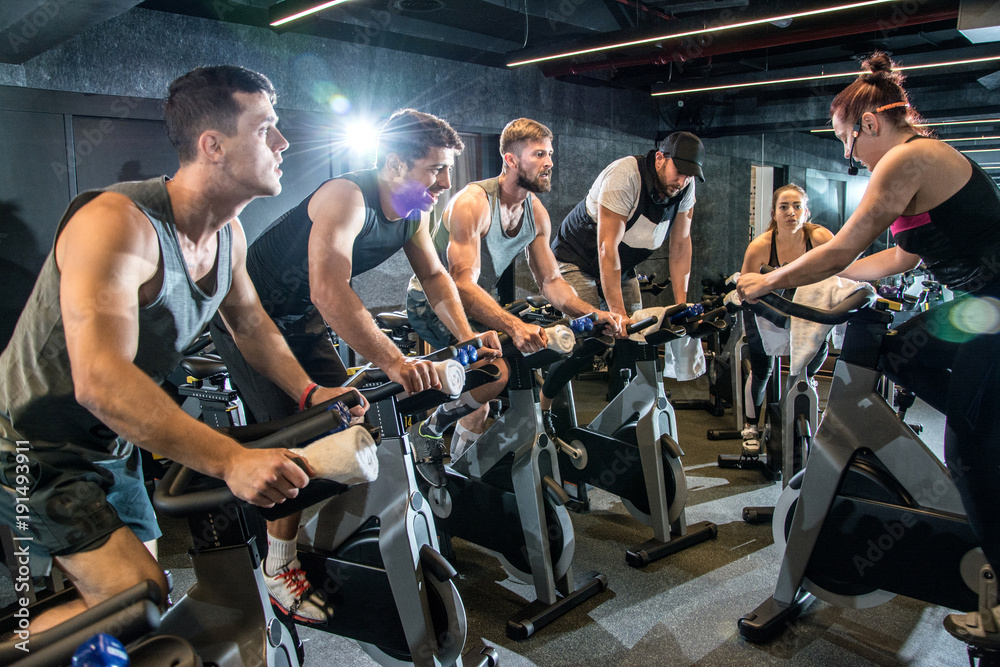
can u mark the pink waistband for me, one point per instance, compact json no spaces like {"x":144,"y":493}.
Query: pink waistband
{"x":907,"y":222}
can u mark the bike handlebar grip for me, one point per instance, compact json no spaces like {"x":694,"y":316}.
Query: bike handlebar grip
{"x":451,"y":375}
{"x":475,"y":342}
{"x":467,"y":355}
{"x":561,"y":338}
{"x":689,"y":311}
{"x":582,"y":324}
{"x":641,"y":324}
{"x":517,"y":306}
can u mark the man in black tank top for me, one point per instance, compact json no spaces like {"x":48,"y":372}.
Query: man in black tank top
{"x":135,"y":273}
{"x":491,"y":222}
{"x":302,"y":266}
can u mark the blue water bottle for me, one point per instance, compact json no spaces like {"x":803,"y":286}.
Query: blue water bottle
{"x":101,"y":651}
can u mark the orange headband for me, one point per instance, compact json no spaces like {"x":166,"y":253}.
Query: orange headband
{"x":885,"y":107}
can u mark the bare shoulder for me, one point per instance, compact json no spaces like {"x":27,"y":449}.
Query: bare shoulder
{"x":538,"y":208}
{"x":116,"y":222}
{"x":469,"y":211}
{"x":818,"y":233}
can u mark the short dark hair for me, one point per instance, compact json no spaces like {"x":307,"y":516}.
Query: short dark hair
{"x":203,"y":99}
{"x":412,"y":134}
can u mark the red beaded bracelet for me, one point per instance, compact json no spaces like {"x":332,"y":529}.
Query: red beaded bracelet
{"x":307,"y":395}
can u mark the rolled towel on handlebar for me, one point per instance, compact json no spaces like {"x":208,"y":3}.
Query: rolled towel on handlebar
{"x":561,"y":338}
{"x":452,"y":376}
{"x":348,"y":457}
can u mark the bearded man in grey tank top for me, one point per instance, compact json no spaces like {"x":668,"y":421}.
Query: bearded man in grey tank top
{"x":484,"y":228}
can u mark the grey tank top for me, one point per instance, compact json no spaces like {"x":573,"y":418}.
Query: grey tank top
{"x":36,"y":383}
{"x":497,"y":250}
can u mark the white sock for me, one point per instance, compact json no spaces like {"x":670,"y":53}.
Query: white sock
{"x":279,"y":554}
{"x":449,"y":413}
{"x":748,"y":407}
{"x":461,"y":440}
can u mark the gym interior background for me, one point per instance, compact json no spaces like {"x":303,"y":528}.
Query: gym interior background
{"x":81,"y":84}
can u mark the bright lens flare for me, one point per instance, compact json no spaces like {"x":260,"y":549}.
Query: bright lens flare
{"x":340,"y":105}
{"x":361,"y":137}
{"x":977,"y":316}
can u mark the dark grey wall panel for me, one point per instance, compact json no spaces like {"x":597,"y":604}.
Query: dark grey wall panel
{"x":34,"y":192}
{"x":110,"y":150}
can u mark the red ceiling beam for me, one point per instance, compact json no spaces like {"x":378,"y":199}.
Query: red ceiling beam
{"x":724,"y":43}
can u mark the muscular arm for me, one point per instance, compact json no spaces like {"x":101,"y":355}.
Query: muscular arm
{"x":545,"y":270}
{"x":337,"y":210}
{"x":610,"y":232}
{"x":106,"y":254}
{"x":436,"y":283}
{"x":680,"y":255}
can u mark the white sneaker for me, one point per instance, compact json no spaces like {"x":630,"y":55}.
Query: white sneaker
{"x":292,"y":594}
{"x":751,"y":441}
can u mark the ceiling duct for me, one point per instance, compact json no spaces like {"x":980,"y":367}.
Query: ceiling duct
{"x":31,"y":27}
{"x":979,"y":21}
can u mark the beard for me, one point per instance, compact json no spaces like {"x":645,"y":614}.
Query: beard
{"x":536,"y":185}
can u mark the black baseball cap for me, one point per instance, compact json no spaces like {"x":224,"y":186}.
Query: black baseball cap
{"x":687,"y":152}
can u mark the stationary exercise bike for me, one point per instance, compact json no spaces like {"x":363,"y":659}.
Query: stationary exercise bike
{"x":875,"y":513}
{"x":630,"y":449}
{"x":790,"y":420}
{"x":374,"y":548}
{"x":504,"y":493}
{"x":226,"y":618}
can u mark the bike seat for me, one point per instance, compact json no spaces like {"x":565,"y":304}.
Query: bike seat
{"x":203,"y":367}
{"x":394,"y":320}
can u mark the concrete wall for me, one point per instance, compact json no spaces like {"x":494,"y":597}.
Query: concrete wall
{"x":139,"y":52}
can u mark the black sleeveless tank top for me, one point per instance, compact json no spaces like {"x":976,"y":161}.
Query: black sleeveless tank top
{"x":959,"y":239}
{"x":774,"y":261}
{"x":278,"y":260}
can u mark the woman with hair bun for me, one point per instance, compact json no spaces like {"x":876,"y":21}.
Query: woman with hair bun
{"x":942,"y":208}
{"x":788,"y":237}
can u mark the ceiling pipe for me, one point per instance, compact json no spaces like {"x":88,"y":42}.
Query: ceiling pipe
{"x":631,"y":4}
{"x":733,"y":43}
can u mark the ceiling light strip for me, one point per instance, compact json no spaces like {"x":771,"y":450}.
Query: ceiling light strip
{"x":994,"y":138}
{"x":979,"y":121}
{"x":306,"y":12}
{"x":818,"y":77}
{"x":703,"y":31}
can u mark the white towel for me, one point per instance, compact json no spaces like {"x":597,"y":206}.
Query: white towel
{"x":684,"y":358}
{"x":348,"y":457}
{"x":775,"y":340}
{"x":806,"y":336}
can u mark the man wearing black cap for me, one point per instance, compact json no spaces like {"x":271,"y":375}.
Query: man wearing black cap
{"x":628,"y":213}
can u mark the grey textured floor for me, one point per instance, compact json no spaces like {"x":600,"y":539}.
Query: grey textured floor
{"x":678,"y":611}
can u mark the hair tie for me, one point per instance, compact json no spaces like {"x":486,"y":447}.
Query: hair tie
{"x":886,"y":107}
